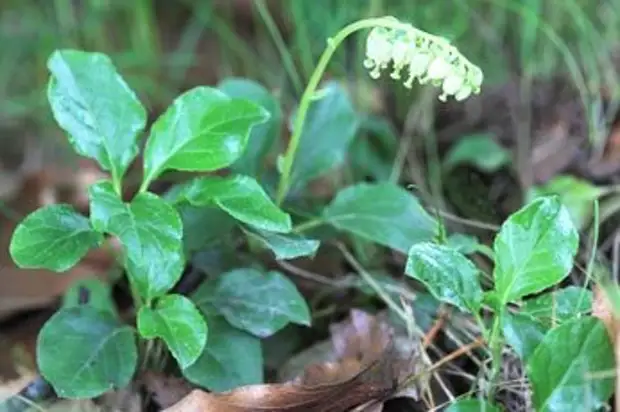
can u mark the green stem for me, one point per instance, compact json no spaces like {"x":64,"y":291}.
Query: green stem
{"x":495,"y":344}
{"x":289,"y":65}
{"x":117,"y":182}
{"x":311,"y":88}
{"x":310,"y":224}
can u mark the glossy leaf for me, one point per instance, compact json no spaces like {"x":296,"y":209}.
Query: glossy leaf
{"x":54,"y":237}
{"x":94,"y":105}
{"x":262,"y":136}
{"x":382,"y":213}
{"x":447,"y":274}
{"x":150,"y":231}
{"x":92,"y":292}
{"x":84,"y":353}
{"x":562,"y":367}
{"x":329,"y":128}
{"x":203,"y":130}
{"x":232,"y":358}
{"x":261,"y":303}
{"x":534,"y":249}
{"x":559,"y":306}
{"x":478,"y":150}
{"x":576,"y":194}
{"x":239,"y":196}
{"x":285,"y":245}
{"x":178,"y":322}
{"x":203,"y":225}
{"x":472,"y":405}
{"x":523,"y":333}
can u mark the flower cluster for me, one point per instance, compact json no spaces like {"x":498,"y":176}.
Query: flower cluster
{"x":426,"y":58}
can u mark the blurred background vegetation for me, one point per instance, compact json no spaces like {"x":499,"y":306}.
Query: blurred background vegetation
{"x":165,"y":46}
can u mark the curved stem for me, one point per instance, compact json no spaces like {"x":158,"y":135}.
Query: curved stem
{"x":310,"y":91}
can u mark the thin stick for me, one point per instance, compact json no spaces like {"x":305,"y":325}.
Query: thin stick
{"x":437,"y":326}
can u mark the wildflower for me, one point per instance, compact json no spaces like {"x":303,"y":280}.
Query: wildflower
{"x":426,"y":58}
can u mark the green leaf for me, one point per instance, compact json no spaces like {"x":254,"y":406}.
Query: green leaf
{"x":559,"y":306}
{"x":84,"y":353}
{"x":231,"y":359}
{"x":239,"y":196}
{"x":178,"y":322}
{"x":523,"y":333}
{"x":203,"y":130}
{"x":54,"y":237}
{"x":329,"y":128}
{"x":577,"y":195}
{"x":284,"y":246}
{"x":96,"y":107}
{"x":150,"y":231}
{"x":382,"y":213}
{"x":261,"y":303}
{"x":97,"y":292}
{"x":472,"y":405}
{"x":480,"y":150}
{"x":372,"y":154}
{"x":562,"y":367}
{"x":463,"y":243}
{"x":203,"y":225}
{"x":262,"y":136}
{"x":447,"y":274}
{"x":534,"y":249}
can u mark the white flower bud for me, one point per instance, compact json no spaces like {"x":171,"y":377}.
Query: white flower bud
{"x":463,"y":93}
{"x":438,"y":69}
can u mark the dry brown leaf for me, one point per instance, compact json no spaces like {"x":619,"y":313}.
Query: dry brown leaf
{"x":370,"y":367}
{"x":603,"y":309}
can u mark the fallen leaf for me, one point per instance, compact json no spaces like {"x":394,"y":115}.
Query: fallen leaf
{"x":369,"y":367}
{"x":605,"y":307}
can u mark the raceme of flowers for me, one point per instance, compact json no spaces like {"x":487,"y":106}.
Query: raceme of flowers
{"x":416,"y":55}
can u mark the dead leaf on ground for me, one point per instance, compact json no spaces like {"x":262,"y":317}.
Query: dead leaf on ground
{"x":603,"y":308}
{"x":370,"y":366}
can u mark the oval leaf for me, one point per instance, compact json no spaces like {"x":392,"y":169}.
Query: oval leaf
{"x":472,"y":405}
{"x":99,"y":111}
{"x":575,"y":194}
{"x":150,"y":231}
{"x":54,"y":237}
{"x":381,"y":213}
{"x":479,"y":150}
{"x":447,"y":274}
{"x":534,"y":249}
{"x":239,"y":196}
{"x":231,"y":359}
{"x":203,"y":130}
{"x":523,"y":333}
{"x":261,"y":303}
{"x":329,"y":128}
{"x":263,"y":135}
{"x":92,"y":292}
{"x":559,"y":306}
{"x":84,"y":353}
{"x":285,"y":246}
{"x":178,"y":322}
{"x":562,"y":368}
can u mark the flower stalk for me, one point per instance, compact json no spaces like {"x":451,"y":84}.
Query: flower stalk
{"x":427,"y":58}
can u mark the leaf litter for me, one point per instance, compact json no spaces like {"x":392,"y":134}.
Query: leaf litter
{"x":371,"y":364}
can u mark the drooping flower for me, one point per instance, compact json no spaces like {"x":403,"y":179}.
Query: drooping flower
{"x":426,"y":58}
